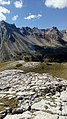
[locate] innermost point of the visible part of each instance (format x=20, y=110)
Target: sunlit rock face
x=32, y=95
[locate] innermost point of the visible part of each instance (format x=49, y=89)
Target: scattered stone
x=17, y=111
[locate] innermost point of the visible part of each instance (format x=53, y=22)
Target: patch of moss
x=46, y=107
x=6, y=102
x=18, y=65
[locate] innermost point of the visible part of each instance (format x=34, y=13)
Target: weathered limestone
x=38, y=96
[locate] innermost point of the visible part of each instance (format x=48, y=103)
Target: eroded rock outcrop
x=32, y=96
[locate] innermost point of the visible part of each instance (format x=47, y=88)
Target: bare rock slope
x=32, y=96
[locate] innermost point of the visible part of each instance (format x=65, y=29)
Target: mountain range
x=32, y=43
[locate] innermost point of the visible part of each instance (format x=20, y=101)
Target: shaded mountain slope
x=17, y=43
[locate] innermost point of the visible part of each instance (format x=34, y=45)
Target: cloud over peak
x=56, y=3
x=18, y=4
x=33, y=17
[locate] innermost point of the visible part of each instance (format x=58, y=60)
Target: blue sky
x=35, y=13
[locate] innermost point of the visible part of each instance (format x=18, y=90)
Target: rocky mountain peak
x=6, y=25
x=55, y=28
x=2, y=22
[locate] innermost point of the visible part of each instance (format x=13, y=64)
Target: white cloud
x=2, y=17
x=56, y=3
x=4, y=2
x=15, y=17
x=33, y=17
x=18, y=4
x=3, y=11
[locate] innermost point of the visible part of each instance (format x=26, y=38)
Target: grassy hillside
x=56, y=69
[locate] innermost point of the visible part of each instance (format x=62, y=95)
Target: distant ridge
x=33, y=43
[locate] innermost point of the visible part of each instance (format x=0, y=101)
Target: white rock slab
x=44, y=115
x=63, y=96
x=63, y=117
x=25, y=115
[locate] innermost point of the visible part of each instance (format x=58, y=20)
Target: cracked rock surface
x=32, y=96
